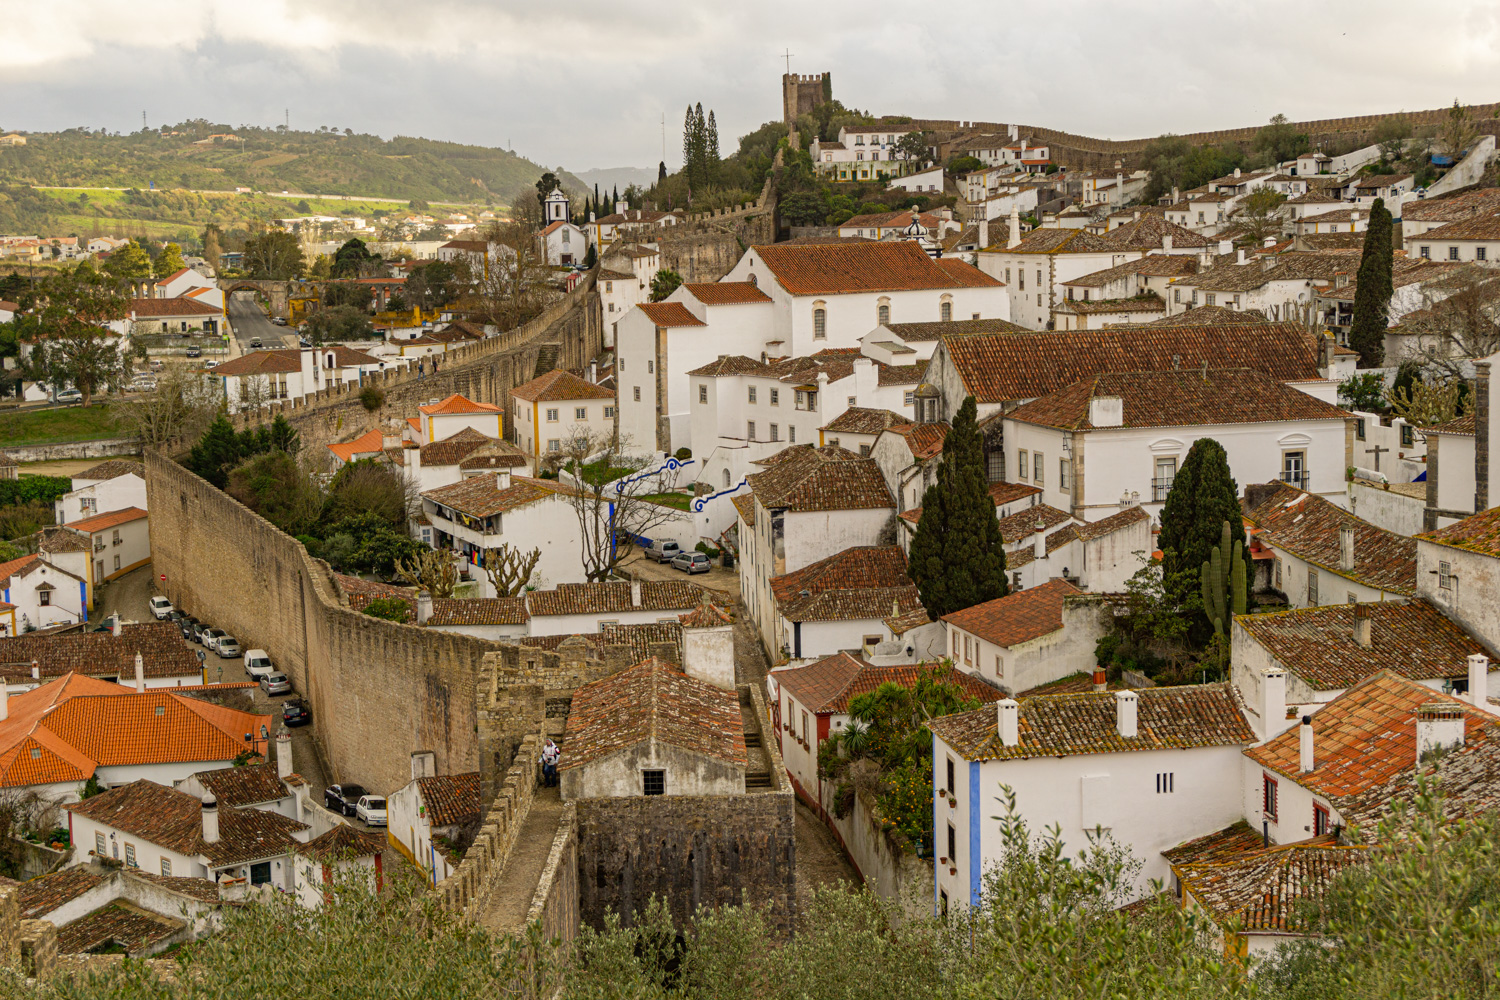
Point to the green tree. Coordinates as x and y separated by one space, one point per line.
339 323
1279 140
957 557
129 263
803 208
916 147
348 293
417 205
272 485
1363 392
303 206
354 260
545 185
217 452
664 283
169 261
590 257
274 255
1373 289
392 609
1203 496
69 346
212 248
1262 214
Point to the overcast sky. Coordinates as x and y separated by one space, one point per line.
585 84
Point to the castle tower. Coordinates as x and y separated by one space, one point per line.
556 207
800 94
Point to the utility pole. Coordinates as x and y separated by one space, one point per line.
664 137
143 119
788 58
288 120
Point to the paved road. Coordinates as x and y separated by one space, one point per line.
249 321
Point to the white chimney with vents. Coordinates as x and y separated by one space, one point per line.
1362 626
635 593
115 628
1015 227
210 819
1479 680
283 753
1008 721
1127 707
140 674
1273 719
1346 547
424 606
984 233
502 479
1305 745
1107 411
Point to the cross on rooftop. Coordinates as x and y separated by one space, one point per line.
788 58
1376 451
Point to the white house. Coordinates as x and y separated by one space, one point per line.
564 244
427 816
554 410
921 182
1135 429
119 541
575 608
861 153
1152 767
462 454
180 316
1026 639
841 602
112 485
189 283
1458 570
36 592
485 512
337 857
262 377
445 417
1423 216
1474 240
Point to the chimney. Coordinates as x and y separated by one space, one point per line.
1126 710
1346 547
423 764
140 674
984 232
1008 721
1239 257
635 593
1166 242
1305 745
1236 173
114 625
210 819
424 606
1362 626
1176 195
1439 725
1272 702
1268 242
36 671
594 372
283 753
1225 246
1100 684
1015 227
1479 681
502 479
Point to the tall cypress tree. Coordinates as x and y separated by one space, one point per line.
711 142
688 131
957 556
1373 289
1203 496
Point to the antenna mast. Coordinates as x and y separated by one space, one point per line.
143 120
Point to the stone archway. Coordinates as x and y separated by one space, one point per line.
276 293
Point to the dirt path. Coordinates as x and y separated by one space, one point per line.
510 897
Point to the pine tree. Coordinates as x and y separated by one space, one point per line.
216 453
615 198
713 141
957 556
1373 289
1203 496
689 131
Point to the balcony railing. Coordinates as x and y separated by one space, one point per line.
1160 487
1297 479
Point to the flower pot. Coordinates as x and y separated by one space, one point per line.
952 871
952 803
942 861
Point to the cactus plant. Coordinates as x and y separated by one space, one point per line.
1223 582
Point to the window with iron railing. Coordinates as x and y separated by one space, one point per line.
1160 487
1297 478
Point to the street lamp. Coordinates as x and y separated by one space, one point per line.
264 738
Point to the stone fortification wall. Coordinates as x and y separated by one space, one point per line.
462 893
555 905
378 690
567 334
710 243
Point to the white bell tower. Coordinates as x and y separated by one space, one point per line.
557 207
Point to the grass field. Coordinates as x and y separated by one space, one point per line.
57 425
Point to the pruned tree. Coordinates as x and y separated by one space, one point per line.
509 569
1457 133
432 570
1459 319
179 409
611 514
1262 213
1427 405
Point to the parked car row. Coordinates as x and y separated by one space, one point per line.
353 800
258 665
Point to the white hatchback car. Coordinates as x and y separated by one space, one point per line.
371 809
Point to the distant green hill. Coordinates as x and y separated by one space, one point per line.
265 160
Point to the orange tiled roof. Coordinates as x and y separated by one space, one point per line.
108 520
1480 533
1016 618
601 598
669 314
478 611
828 685
1267 889
559 385
367 444
726 293
457 404
112 469
450 798
478 496
867 581
454 448
653 701
805 478
1309 527
832 269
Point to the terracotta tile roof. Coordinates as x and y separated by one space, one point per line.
1483 228
200 889
174 820
905 622
160 644
887 220
733 364
1090 530
1004 493
496 455
669 314
370 443
901 374
118 922
1479 533
1268 889
478 611
1210 316
40 896
653 701
559 385
922 440
237 787
453 448
859 583
606 598
1367 736
1168 718
923 332
110 519
1156 265
863 420
457 404
706 615
172 307
1148 232
478 496
1016 618
832 269
1179 399
1454 207
1410 638
1003 367
343 842
1309 527
1023 522
261 363
360 593
450 799
828 685
113 469
640 639
1140 303
726 293
745 505
819 479
1222 845
967 275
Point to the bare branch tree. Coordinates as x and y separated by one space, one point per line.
509 569
179 409
431 570
1459 319
508 285
1426 405
609 487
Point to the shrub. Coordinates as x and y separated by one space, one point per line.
28 489
681 454
371 398
392 609
707 550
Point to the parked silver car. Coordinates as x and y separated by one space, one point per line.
662 550
227 646
692 562
276 684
